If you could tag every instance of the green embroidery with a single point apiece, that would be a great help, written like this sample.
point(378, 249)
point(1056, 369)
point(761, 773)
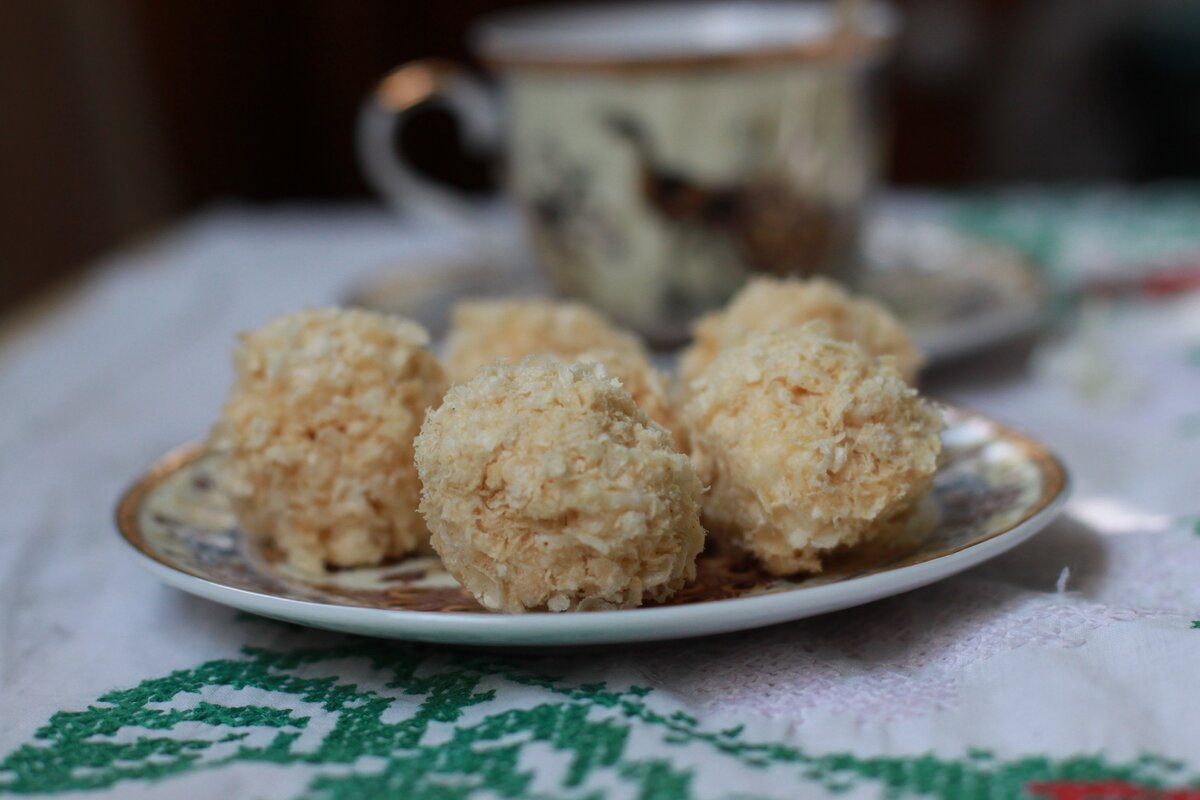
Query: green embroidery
point(434, 738)
point(1196, 624)
point(1049, 226)
point(659, 780)
point(1189, 521)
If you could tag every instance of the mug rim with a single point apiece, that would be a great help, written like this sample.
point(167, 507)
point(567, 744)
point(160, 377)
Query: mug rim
point(621, 37)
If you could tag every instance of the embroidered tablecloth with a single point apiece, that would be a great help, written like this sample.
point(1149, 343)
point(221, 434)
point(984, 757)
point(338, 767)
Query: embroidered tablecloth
point(1064, 669)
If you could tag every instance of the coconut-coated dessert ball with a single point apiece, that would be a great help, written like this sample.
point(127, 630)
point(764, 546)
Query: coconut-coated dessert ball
point(482, 331)
point(808, 444)
point(769, 304)
point(646, 384)
point(317, 435)
point(485, 330)
point(546, 487)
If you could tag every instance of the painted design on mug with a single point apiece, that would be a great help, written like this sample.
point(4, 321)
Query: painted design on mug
point(564, 217)
point(774, 226)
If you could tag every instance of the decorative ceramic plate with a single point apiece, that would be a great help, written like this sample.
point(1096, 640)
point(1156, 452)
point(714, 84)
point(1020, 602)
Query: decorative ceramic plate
point(995, 489)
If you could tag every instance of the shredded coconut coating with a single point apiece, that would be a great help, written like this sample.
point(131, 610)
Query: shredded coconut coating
point(482, 331)
point(768, 304)
point(318, 435)
point(546, 487)
point(647, 385)
point(808, 445)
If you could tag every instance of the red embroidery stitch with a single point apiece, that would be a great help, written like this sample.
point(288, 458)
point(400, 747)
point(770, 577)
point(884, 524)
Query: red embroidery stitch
point(1107, 790)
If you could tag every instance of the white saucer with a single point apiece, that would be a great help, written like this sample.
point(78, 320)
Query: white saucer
point(955, 293)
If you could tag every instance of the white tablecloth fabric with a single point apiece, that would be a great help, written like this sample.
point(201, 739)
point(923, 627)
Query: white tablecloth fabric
point(1070, 662)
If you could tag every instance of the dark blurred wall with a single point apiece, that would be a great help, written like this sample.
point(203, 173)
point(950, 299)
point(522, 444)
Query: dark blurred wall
point(120, 115)
point(83, 156)
point(259, 99)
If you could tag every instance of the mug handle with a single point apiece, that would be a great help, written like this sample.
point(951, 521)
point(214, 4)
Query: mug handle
point(392, 104)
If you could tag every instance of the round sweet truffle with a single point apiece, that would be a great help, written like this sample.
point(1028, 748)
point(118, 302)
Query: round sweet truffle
point(808, 445)
point(546, 487)
point(768, 304)
point(482, 331)
point(647, 385)
point(317, 435)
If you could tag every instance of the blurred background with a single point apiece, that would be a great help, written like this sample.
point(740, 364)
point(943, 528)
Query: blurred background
point(120, 116)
